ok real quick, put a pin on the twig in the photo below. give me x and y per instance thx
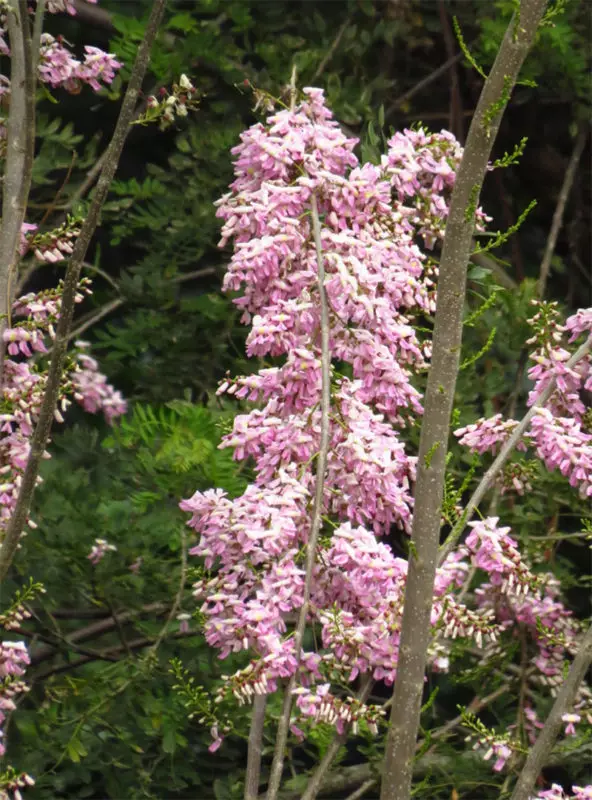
(557, 222)
(95, 15)
(331, 51)
(179, 596)
(114, 304)
(102, 273)
(52, 206)
(111, 653)
(83, 613)
(70, 287)
(255, 747)
(504, 454)
(118, 626)
(455, 118)
(92, 319)
(422, 84)
(36, 38)
(361, 791)
(315, 783)
(488, 262)
(58, 641)
(439, 398)
(539, 752)
(95, 629)
(284, 722)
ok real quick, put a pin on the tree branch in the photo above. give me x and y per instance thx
(315, 783)
(111, 653)
(422, 84)
(504, 454)
(557, 222)
(317, 509)
(95, 629)
(539, 753)
(367, 773)
(43, 427)
(255, 748)
(94, 317)
(447, 339)
(20, 150)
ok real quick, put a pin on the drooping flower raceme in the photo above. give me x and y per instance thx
(375, 220)
(32, 329)
(376, 223)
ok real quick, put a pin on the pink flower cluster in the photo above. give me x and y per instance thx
(23, 386)
(557, 792)
(49, 247)
(374, 219)
(91, 388)
(60, 69)
(558, 431)
(423, 167)
(99, 550)
(320, 706)
(522, 601)
(13, 661)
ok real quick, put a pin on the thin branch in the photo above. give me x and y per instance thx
(93, 14)
(42, 430)
(20, 150)
(439, 398)
(557, 222)
(331, 51)
(117, 302)
(92, 319)
(111, 653)
(255, 747)
(539, 752)
(36, 38)
(455, 119)
(315, 783)
(422, 84)
(179, 596)
(197, 273)
(504, 454)
(499, 273)
(362, 790)
(321, 467)
(118, 626)
(102, 273)
(83, 613)
(53, 205)
(60, 642)
(95, 629)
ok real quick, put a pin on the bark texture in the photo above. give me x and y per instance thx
(416, 628)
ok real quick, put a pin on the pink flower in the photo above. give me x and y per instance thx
(99, 550)
(570, 719)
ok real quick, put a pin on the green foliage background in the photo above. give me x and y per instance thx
(115, 728)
